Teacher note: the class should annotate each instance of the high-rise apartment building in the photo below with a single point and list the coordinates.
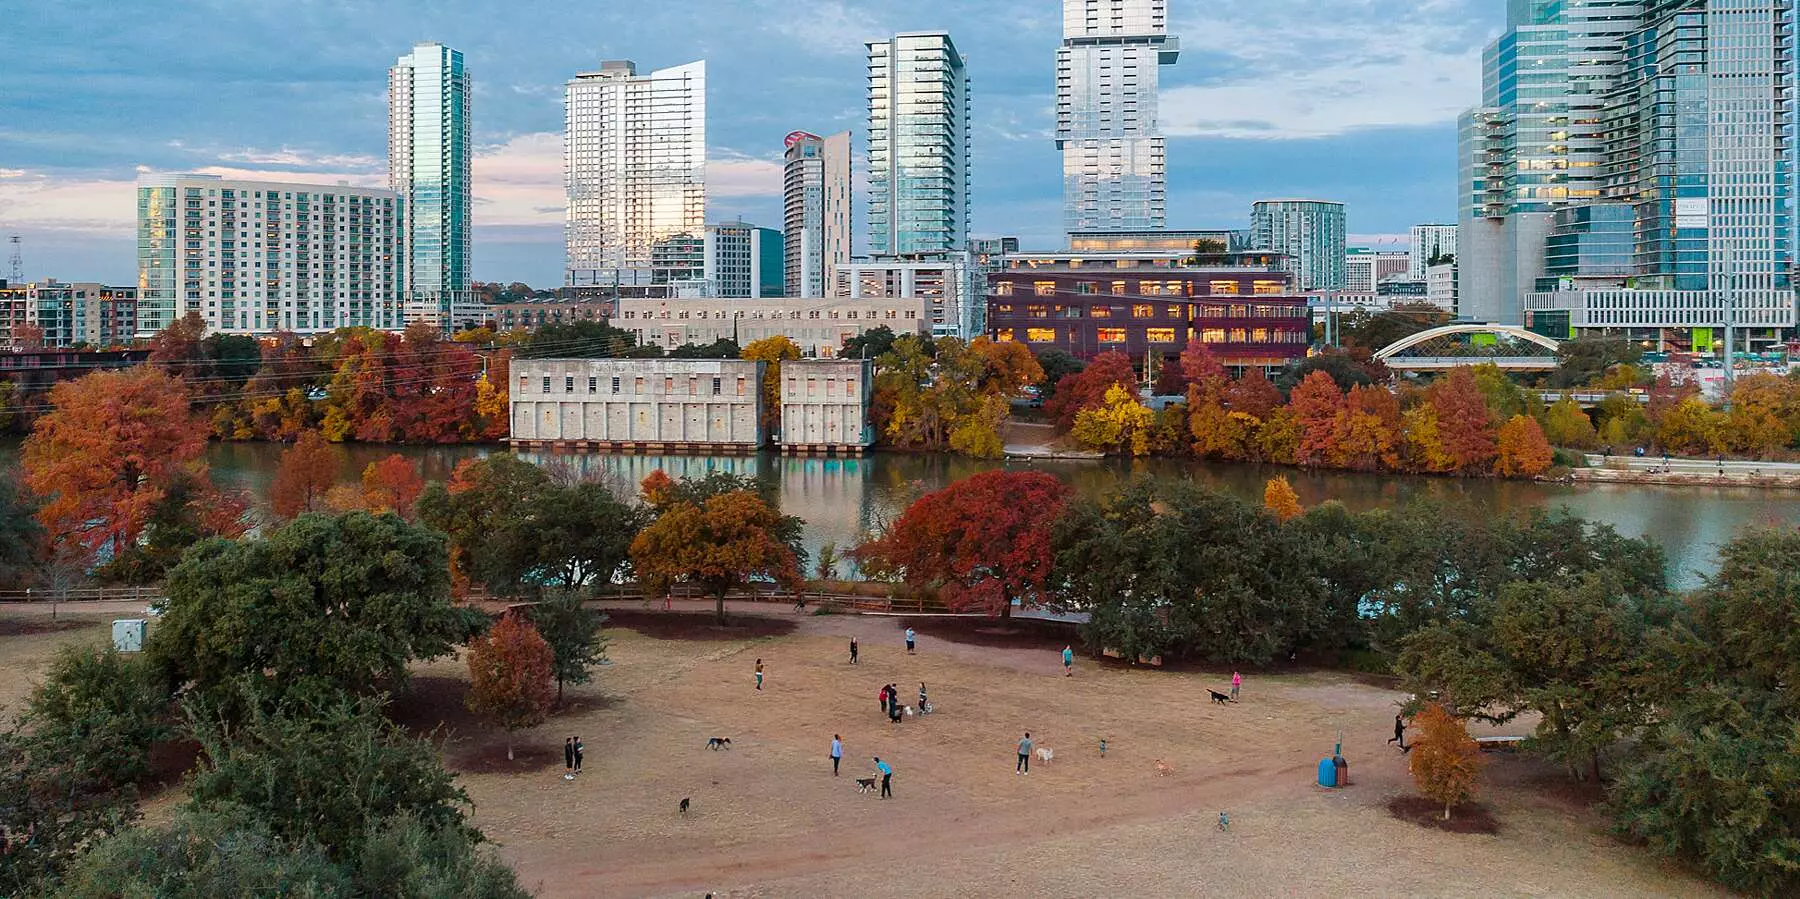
(1429, 242)
(634, 166)
(429, 156)
(1106, 107)
(1674, 113)
(816, 211)
(744, 260)
(918, 146)
(1310, 232)
(254, 257)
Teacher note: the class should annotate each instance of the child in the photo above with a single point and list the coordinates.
(759, 674)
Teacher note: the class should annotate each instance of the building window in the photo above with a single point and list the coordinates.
(1038, 311)
(1118, 288)
(569, 384)
(812, 387)
(524, 383)
(637, 385)
(1143, 310)
(668, 386)
(1044, 288)
(593, 385)
(1004, 335)
(1100, 312)
(546, 383)
(1160, 335)
(1150, 288)
(1175, 312)
(1003, 309)
(1087, 287)
(1040, 335)
(615, 386)
(1266, 288)
(1212, 335)
(1111, 335)
(718, 386)
(740, 387)
(1227, 288)
(1003, 289)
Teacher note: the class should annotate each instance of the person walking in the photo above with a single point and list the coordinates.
(910, 645)
(923, 705)
(894, 703)
(837, 753)
(884, 699)
(1024, 766)
(569, 759)
(852, 650)
(578, 755)
(1237, 680)
(887, 778)
(1068, 662)
(1399, 731)
(759, 674)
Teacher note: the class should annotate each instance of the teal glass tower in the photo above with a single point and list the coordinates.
(428, 167)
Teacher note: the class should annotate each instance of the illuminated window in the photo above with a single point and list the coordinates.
(1044, 288)
(1111, 335)
(1238, 335)
(1040, 335)
(1173, 288)
(1004, 288)
(1223, 287)
(1100, 312)
(1160, 335)
(1212, 335)
(1267, 288)
(1003, 308)
(1240, 311)
(1004, 335)
(1038, 311)
(1176, 312)
(1118, 288)
(1086, 287)
(1150, 288)
(1143, 310)
(1259, 335)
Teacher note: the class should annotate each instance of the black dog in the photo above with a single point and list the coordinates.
(719, 743)
(865, 784)
(1218, 697)
(684, 805)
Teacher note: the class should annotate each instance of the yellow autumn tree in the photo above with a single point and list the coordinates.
(1121, 424)
(1281, 500)
(1445, 761)
(773, 350)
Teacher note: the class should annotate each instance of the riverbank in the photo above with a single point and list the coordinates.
(1685, 473)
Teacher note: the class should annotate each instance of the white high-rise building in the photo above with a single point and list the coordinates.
(429, 156)
(918, 146)
(743, 261)
(816, 211)
(1310, 232)
(256, 257)
(1428, 241)
(1106, 114)
(634, 165)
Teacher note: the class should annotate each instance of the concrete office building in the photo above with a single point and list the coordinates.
(638, 405)
(1427, 242)
(429, 156)
(1364, 268)
(819, 326)
(255, 257)
(1106, 114)
(634, 165)
(1440, 285)
(1311, 233)
(744, 260)
(816, 221)
(918, 147)
(825, 406)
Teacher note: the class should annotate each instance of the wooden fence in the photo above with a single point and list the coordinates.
(145, 595)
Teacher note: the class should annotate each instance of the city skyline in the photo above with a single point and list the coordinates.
(1364, 123)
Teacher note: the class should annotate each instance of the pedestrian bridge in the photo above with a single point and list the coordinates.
(1509, 347)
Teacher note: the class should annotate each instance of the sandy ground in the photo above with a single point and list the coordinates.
(767, 818)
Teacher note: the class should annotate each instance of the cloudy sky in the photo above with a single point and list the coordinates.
(1352, 100)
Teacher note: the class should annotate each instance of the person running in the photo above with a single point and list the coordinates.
(569, 758)
(910, 645)
(1068, 662)
(887, 778)
(578, 755)
(1024, 766)
(759, 674)
(852, 650)
(1399, 731)
(1237, 680)
(837, 753)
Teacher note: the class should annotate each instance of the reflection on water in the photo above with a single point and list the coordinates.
(841, 499)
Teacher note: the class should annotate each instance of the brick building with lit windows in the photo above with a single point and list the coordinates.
(1241, 305)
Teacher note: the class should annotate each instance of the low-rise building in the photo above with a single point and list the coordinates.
(534, 314)
(949, 287)
(819, 326)
(637, 405)
(825, 406)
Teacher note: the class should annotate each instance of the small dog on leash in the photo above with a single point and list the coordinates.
(1218, 697)
(865, 784)
(719, 743)
(1163, 769)
(1045, 754)
(1224, 822)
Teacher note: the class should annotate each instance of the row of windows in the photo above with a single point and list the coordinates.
(1148, 310)
(637, 387)
(833, 315)
(1161, 335)
(1260, 287)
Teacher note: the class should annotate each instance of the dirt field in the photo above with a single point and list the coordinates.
(768, 819)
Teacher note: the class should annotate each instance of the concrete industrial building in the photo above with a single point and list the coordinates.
(825, 406)
(638, 405)
(816, 220)
(819, 326)
(1106, 114)
(254, 257)
(429, 161)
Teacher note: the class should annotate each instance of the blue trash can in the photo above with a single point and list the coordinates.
(1327, 773)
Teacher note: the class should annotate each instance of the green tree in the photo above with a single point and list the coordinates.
(21, 537)
(573, 632)
(51, 810)
(723, 348)
(1056, 365)
(1567, 424)
(870, 344)
(577, 340)
(347, 600)
(1584, 361)
(1343, 369)
(101, 711)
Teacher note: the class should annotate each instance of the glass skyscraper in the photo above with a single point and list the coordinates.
(918, 146)
(1106, 106)
(816, 211)
(428, 168)
(1310, 232)
(634, 166)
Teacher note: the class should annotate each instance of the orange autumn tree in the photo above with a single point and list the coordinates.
(728, 541)
(1087, 389)
(1464, 427)
(1445, 761)
(1523, 451)
(107, 453)
(307, 472)
(1281, 500)
(392, 485)
(1316, 405)
(1369, 430)
(510, 676)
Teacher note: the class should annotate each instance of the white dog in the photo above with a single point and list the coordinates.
(1045, 754)
(908, 710)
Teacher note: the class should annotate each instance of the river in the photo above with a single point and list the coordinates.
(842, 498)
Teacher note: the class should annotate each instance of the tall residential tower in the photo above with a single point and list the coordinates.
(918, 146)
(1310, 232)
(634, 166)
(428, 168)
(816, 205)
(1106, 128)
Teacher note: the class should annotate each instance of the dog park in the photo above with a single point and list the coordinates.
(767, 818)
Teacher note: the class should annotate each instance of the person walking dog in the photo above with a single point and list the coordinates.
(1237, 680)
(1024, 766)
(887, 778)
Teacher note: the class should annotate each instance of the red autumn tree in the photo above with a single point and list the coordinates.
(392, 485)
(1087, 389)
(307, 472)
(103, 458)
(1523, 451)
(177, 347)
(1254, 395)
(1445, 761)
(1369, 430)
(656, 487)
(1196, 367)
(1465, 428)
(511, 670)
(981, 542)
(1316, 403)
(732, 540)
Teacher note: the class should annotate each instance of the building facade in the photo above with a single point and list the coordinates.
(1311, 233)
(1151, 304)
(429, 156)
(12, 312)
(1428, 242)
(634, 166)
(1206, 240)
(1440, 286)
(825, 406)
(946, 288)
(651, 405)
(255, 257)
(816, 221)
(744, 260)
(1106, 114)
(89, 314)
(1364, 268)
(918, 146)
(534, 314)
(819, 326)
